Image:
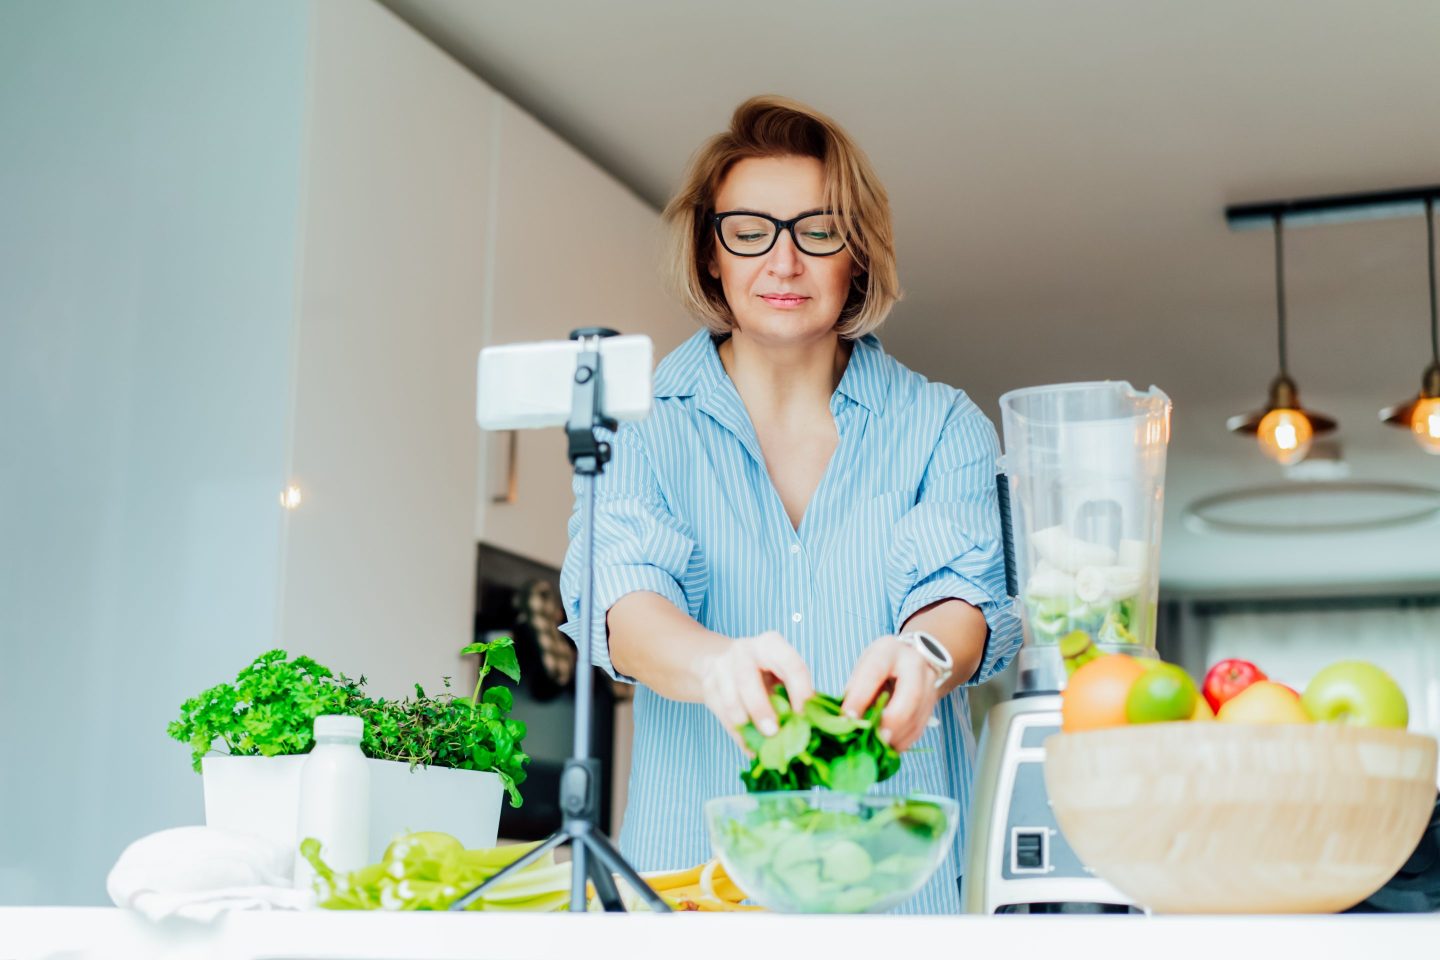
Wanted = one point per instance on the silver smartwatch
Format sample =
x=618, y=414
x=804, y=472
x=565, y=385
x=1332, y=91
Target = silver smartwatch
x=933, y=652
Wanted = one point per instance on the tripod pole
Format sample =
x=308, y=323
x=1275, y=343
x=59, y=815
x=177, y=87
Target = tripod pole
x=593, y=857
x=584, y=680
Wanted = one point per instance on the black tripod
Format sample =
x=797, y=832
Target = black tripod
x=593, y=856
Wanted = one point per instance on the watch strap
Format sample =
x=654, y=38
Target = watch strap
x=932, y=651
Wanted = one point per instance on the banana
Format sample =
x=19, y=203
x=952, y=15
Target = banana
x=706, y=888
x=673, y=878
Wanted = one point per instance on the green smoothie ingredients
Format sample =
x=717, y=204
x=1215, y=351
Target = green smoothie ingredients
x=829, y=852
x=819, y=747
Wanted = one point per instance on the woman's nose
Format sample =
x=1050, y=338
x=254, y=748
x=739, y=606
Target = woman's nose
x=784, y=260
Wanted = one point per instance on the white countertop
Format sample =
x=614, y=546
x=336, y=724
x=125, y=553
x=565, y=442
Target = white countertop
x=86, y=932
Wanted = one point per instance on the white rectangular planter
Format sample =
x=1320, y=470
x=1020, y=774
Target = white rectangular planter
x=261, y=795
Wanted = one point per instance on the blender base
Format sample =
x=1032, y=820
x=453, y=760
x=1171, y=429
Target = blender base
x=1018, y=860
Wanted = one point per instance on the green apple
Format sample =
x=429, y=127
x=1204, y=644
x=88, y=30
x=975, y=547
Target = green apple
x=1358, y=693
x=1163, y=693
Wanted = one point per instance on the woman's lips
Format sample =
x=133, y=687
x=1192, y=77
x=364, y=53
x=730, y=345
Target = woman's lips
x=785, y=301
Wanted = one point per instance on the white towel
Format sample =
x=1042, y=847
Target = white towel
x=199, y=872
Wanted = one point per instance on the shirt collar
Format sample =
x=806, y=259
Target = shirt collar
x=865, y=380
x=694, y=369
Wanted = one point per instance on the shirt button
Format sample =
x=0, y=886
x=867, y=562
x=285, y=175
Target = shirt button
x=794, y=548
x=795, y=617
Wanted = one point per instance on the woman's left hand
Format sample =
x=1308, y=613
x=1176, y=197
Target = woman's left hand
x=889, y=663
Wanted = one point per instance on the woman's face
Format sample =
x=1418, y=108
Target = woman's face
x=784, y=296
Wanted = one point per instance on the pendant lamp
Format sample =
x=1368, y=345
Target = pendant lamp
x=1284, y=428
x=1421, y=415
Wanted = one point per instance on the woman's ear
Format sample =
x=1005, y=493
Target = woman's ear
x=713, y=268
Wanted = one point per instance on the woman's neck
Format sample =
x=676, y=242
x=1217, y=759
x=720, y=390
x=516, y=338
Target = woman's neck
x=786, y=383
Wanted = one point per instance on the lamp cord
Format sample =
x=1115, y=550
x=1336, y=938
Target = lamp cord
x=1280, y=289
x=1430, y=262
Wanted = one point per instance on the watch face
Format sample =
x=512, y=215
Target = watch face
x=933, y=647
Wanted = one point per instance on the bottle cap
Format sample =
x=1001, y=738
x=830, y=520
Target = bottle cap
x=335, y=726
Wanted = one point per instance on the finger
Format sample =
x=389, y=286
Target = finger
x=756, y=700
x=724, y=702
x=911, y=735
x=785, y=662
x=900, y=714
x=869, y=675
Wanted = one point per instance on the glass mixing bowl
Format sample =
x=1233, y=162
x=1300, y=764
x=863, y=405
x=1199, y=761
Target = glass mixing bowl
x=821, y=851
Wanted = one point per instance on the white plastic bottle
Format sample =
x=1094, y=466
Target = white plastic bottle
x=335, y=798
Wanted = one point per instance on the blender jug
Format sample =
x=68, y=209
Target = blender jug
x=1085, y=464
x=1084, y=470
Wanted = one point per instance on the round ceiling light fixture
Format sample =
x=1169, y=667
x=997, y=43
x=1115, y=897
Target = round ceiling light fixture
x=1309, y=508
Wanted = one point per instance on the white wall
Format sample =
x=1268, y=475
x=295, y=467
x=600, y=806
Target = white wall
x=244, y=245
x=149, y=175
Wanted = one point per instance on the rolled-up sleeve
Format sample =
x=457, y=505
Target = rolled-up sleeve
x=639, y=546
x=947, y=545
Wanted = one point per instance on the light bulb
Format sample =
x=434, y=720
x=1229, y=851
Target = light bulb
x=1285, y=435
x=1425, y=424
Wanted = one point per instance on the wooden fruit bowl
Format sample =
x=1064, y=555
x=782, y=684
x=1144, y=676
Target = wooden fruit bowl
x=1235, y=818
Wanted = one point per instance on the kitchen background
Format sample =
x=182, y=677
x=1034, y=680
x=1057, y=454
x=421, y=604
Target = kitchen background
x=252, y=247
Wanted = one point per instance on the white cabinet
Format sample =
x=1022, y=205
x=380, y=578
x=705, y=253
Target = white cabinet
x=571, y=248
x=379, y=558
x=437, y=217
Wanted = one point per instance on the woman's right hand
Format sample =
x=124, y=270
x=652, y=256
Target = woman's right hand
x=736, y=682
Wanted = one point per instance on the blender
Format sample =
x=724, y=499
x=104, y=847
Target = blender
x=1081, y=490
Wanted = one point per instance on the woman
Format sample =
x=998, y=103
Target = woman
x=799, y=508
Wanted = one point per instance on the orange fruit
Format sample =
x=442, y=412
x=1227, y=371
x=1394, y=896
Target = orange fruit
x=1094, y=696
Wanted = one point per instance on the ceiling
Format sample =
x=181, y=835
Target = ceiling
x=1058, y=173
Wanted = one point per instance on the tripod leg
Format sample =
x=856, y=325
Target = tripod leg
x=578, y=873
x=610, y=858
x=604, y=880
x=551, y=842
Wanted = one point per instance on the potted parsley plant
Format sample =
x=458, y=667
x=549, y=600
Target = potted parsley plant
x=441, y=762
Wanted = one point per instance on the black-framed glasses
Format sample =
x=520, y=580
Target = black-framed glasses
x=748, y=234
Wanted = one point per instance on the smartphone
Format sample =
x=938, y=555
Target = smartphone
x=527, y=385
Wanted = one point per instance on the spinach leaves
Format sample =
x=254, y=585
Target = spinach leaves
x=819, y=747
x=831, y=852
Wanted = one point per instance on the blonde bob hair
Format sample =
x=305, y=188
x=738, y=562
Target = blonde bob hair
x=771, y=126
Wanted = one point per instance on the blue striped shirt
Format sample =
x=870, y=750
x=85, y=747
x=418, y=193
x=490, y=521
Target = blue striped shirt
x=904, y=516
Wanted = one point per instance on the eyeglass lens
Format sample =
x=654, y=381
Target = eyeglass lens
x=747, y=236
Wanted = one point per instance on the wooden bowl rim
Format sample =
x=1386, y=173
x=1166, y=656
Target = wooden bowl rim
x=1215, y=730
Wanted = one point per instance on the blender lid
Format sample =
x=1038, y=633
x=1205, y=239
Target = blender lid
x=1018, y=400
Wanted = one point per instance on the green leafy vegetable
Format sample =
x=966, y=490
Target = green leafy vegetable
x=271, y=708
x=467, y=733
x=838, y=855
x=1107, y=621
x=819, y=747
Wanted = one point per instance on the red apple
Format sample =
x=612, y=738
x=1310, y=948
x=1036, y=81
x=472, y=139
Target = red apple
x=1227, y=678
